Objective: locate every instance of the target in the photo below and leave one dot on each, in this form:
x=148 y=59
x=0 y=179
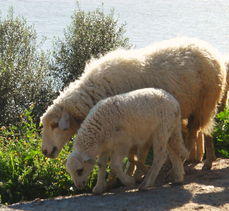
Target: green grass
x=25 y=174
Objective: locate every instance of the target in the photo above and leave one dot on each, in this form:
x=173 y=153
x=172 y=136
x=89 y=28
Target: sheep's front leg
x=101 y=180
x=116 y=166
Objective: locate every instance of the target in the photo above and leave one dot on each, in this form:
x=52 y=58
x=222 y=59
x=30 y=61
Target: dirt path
x=202 y=190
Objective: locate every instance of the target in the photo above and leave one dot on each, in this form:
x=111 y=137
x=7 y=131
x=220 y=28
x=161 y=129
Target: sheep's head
x=58 y=127
x=79 y=167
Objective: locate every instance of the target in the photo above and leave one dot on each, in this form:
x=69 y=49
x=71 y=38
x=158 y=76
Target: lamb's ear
x=78 y=121
x=64 y=122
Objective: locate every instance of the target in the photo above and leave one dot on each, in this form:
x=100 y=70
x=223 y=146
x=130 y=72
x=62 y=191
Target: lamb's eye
x=54 y=125
x=79 y=172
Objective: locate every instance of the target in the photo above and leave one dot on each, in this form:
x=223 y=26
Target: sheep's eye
x=54 y=125
x=79 y=172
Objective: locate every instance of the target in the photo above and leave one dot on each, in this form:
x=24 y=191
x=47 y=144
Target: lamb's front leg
x=101 y=179
x=141 y=156
x=117 y=167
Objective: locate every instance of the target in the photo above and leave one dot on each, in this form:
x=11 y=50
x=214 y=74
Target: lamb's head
x=58 y=127
x=79 y=167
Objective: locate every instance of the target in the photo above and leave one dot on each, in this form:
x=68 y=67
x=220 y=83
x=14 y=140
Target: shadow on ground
x=149 y=200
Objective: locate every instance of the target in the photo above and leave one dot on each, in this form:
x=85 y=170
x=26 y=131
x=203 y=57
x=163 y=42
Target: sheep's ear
x=64 y=122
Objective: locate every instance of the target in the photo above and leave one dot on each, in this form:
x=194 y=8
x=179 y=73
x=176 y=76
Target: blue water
x=147 y=20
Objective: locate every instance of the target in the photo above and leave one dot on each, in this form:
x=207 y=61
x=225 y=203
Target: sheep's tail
x=213 y=81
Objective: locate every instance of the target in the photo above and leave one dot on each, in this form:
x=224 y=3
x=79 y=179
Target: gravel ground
x=202 y=190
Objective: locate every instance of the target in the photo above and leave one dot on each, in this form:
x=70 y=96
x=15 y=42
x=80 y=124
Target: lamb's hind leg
x=160 y=156
x=177 y=154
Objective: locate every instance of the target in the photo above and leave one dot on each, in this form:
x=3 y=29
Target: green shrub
x=221 y=133
x=25 y=174
x=23 y=71
x=90 y=34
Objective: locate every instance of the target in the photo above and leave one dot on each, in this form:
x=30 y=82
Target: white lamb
x=139 y=118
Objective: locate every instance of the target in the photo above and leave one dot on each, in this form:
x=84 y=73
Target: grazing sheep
x=186 y=68
x=143 y=117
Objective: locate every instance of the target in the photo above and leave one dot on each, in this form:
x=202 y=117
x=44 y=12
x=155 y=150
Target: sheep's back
x=190 y=70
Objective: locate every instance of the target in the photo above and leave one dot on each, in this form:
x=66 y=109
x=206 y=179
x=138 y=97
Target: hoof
x=143 y=186
x=112 y=182
x=130 y=182
x=207 y=167
x=99 y=189
x=175 y=184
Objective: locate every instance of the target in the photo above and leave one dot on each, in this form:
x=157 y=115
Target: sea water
x=147 y=21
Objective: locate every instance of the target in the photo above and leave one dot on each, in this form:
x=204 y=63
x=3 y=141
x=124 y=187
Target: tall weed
x=25 y=174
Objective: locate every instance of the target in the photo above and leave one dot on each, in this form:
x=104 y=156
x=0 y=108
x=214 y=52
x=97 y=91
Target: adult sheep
x=189 y=69
x=141 y=118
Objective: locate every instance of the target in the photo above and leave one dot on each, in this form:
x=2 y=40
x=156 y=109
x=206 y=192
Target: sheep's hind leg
x=210 y=152
x=101 y=180
x=200 y=146
x=197 y=152
x=191 y=137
